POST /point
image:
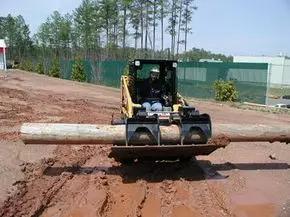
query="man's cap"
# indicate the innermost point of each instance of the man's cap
(155, 70)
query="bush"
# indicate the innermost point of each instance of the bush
(126, 70)
(55, 69)
(78, 71)
(40, 68)
(21, 66)
(225, 91)
(26, 65)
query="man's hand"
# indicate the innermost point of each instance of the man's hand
(166, 100)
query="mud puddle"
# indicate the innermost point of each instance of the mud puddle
(253, 203)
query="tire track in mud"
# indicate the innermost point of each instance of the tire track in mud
(208, 195)
(188, 195)
(221, 187)
(164, 181)
(202, 197)
(125, 198)
(72, 185)
(167, 197)
(86, 194)
(105, 206)
(142, 196)
(37, 190)
(46, 197)
(91, 198)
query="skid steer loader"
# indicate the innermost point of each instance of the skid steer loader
(195, 128)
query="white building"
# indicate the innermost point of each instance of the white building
(212, 60)
(2, 54)
(278, 68)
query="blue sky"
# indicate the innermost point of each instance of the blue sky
(235, 27)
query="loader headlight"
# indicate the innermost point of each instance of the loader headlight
(137, 63)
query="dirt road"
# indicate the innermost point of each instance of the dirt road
(240, 180)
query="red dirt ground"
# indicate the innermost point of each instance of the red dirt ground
(239, 180)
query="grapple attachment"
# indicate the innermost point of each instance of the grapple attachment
(195, 130)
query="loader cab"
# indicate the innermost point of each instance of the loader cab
(140, 71)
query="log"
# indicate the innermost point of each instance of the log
(223, 134)
(34, 133)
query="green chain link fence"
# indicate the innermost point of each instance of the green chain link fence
(195, 79)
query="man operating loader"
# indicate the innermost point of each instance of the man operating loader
(153, 92)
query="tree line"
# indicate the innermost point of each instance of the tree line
(17, 35)
(108, 29)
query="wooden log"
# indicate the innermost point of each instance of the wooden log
(32, 133)
(223, 134)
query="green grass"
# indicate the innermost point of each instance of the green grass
(238, 105)
(272, 110)
(279, 91)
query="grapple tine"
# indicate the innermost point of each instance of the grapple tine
(198, 124)
(149, 124)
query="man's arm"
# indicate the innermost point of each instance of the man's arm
(164, 94)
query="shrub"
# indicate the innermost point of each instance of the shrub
(26, 65)
(78, 71)
(126, 70)
(40, 68)
(225, 91)
(55, 69)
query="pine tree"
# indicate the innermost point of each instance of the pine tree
(186, 19)
(78, 71)
(135, 21)
(87, 26)
(172, 23)
(55, 69)
(40, 68)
